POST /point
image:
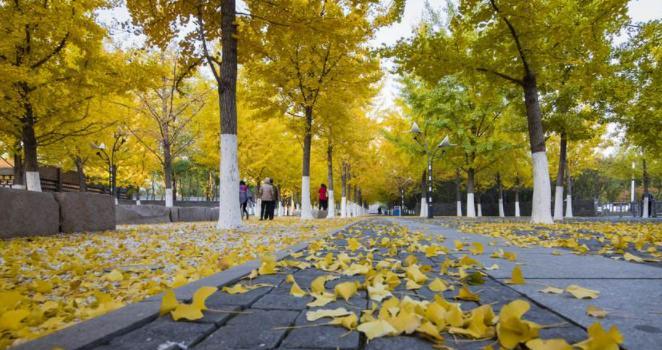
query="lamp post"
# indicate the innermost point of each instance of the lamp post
(430, 155)
(110, 158)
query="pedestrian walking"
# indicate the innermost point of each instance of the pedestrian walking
(267, 198)
(245, 198)
(323, 198)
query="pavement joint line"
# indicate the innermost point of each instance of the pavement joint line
(96, 331)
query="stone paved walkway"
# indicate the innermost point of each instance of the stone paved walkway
(263, 318)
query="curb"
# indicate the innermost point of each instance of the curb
(95, 331)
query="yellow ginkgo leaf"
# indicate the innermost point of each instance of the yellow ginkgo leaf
(186, 311)
(321, 300)
(316, 315)
(493, 267)
(511, 329)
(551, 290)
(350, 321)
(297, 291)
(581, 292)
(9, 300)
(415, 274)
(476, 248)
(11, 320)
(168, 302)
(458, 245)
(632, 257)
(549, 344)
(346, 290)
(428, 330)
(517, 277)
(236, 289)
(411, 285)
(465, 294)
(353, 244)
(201, 295)
(596, 312)
(599, 339)
(405, 322)
(378, 292)
(376, 329)
(268, 265)
(114, 276)
(438, 285)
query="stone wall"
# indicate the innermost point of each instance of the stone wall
(156, 214)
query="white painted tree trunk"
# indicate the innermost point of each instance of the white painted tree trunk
(644, 213)
(424, 208)
(343, 207)
(168, 198)
(32, 181)
(568, 206)
(558, 203)
(542, 192)
(517, 212)
(471, 209)
(459, 208)
(229, 213)
(138, 202)
(501, 211)
(18, 187)
(331, 213)
(117, 202)
(480, 210)
(306, 207)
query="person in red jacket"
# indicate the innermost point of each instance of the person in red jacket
(323, 198)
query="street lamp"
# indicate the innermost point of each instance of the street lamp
(110, 159)
(430, 154)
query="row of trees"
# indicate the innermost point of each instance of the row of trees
(494, 71)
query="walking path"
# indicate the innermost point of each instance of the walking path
(270, 317)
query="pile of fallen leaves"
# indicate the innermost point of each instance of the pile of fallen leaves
(633, 241)
(385, 268)
(47, 283)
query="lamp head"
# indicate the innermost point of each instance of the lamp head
(415, 129)
(445, 143)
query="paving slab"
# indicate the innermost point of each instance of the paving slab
(321, 337)
(255, 329)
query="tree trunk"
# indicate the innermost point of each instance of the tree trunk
(80, 169)
(558, 194)
(332, 203)
(540, 211)
(167, 171)
(424, 203)
(458, 192)
(306, 206)
(229, 214)
(19, 181)
(471, 209)
(480, 206)
(500, 189)
(174, 187)
(645, 213)
(568, 204)
(343, 199)
(517, 210)
(31, 166)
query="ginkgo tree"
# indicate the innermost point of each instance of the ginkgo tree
(298, 52)
(520, 43)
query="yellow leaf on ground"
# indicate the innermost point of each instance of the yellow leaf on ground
(186, 311)
(415, 274)
(476, 248)
(168, 302)
(114, 276)
(346, 290)
(458, 245)
(549, 344)
(517, 277)
(376, 329)
(595, 311)
(632, 257)
(350, 321)
(551, 290)
(411, 285)
(297, 291)
(378, 292)
(511, 329)
(581, 292)
(11, 320)
(321, 299)
(493, 267)
(599, 339)
(428, 330)
(438, 285)
(353, 244)
(316, 315)
(405, 322)
(236, 289)
(465, 294)
(201, 295)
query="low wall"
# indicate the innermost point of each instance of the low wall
(26, 213)
(156, 214)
